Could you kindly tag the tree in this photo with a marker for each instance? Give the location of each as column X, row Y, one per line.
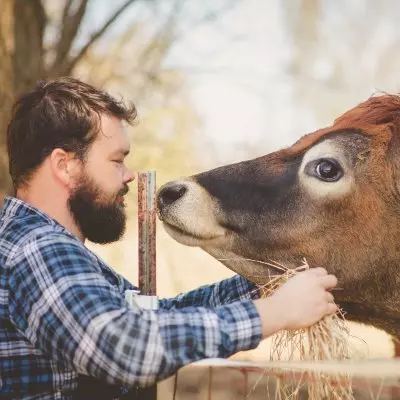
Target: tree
column 43, row 39
column 6, row 83
column 26, row 59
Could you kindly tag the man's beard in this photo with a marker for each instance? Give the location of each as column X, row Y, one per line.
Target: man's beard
column 100, row 219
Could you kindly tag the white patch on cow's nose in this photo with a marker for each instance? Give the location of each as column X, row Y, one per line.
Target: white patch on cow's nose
column 192, row 217
column 318, row 188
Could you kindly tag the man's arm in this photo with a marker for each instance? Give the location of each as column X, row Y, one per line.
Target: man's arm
column 226, row 291
column 64, row 306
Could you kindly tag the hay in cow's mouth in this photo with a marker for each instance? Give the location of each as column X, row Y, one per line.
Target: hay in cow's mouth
column 328, row 339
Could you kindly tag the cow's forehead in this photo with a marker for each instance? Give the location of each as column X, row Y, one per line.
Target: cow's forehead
column 308, row 141
column 370, row 118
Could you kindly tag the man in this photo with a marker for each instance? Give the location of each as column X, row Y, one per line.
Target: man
column 63, row 313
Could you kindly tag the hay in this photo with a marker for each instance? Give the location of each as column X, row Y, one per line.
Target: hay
column 328, row 339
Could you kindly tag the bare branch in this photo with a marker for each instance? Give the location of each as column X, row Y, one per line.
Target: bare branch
column 70, row 26
column 69, row 65
column 159, row 43
column 40, row 15
column 211, row 16
column 165, row 30
column 67, row 7
column 158, row 47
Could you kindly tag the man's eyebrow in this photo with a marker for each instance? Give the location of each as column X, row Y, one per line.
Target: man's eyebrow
column 118, row 152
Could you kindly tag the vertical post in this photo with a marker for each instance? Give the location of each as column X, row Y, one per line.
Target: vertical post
column 147, row 248
column 210, row 371
column 147, row 232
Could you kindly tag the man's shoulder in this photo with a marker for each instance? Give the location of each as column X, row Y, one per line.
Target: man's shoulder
column 18, row 233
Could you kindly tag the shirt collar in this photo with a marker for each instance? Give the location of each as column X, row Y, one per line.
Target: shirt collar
column 14, row 207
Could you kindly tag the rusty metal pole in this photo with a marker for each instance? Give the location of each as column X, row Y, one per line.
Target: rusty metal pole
column 147, row 211
column 147, row 232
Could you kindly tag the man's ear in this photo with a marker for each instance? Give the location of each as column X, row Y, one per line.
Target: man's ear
column 64, row 166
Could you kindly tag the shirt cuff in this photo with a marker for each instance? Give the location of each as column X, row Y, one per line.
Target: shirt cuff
column 242, row 330
column 246, row 289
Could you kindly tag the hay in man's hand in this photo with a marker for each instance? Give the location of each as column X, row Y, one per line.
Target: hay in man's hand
column 328, row 339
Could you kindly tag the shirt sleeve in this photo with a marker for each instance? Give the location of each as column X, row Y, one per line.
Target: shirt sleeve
column 236, row 288
column 62, row 304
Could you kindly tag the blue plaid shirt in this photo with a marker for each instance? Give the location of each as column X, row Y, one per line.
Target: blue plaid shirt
column 63, row 313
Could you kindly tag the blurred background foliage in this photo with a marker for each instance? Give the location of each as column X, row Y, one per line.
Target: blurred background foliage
column 214, row 81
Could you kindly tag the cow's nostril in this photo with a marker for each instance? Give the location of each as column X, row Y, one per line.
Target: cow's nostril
column 170, row 194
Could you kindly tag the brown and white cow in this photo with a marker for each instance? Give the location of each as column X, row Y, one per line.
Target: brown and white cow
column 333, row 198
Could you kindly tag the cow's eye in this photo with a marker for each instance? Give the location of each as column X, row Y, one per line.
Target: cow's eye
column 328, row 170
column 325, row 169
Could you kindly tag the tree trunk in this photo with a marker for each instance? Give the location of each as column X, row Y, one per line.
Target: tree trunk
column 29, row 25
column 21, row 55
column 7, row 45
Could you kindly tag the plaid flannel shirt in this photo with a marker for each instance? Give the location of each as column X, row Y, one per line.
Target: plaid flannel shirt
column 63, row 313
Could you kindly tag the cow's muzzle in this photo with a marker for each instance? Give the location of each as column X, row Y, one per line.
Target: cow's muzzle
column 169, row 194
column 189, row 213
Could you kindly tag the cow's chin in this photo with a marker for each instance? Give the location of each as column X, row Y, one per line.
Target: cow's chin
column 218, row 245
column 189, row 238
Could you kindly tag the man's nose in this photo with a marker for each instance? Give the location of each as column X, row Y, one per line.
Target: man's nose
column 129, row 176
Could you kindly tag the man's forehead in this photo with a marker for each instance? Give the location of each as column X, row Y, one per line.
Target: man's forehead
column 113, row 135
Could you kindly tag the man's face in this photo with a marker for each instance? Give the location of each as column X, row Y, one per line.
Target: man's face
column 97, row 200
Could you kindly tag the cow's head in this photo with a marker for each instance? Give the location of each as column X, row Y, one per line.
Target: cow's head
column 333, row 198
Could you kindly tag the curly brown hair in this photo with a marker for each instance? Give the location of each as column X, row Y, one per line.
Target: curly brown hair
column 62, row 113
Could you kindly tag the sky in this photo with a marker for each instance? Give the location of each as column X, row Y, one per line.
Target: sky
column 236, row 96
column 251, row 103
column 231, row 68
column 237, row 69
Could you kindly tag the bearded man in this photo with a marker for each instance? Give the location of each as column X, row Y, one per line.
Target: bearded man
column 66, row 328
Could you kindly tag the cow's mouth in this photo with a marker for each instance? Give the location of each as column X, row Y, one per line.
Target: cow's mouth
column 189, row 238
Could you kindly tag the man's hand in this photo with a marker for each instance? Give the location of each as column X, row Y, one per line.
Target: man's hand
column 301, row 302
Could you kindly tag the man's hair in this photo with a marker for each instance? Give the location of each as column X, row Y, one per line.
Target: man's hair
column 62, row 113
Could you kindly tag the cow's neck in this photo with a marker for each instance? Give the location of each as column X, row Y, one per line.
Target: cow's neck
column 378, row 317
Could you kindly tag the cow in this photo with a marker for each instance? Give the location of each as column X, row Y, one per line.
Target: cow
column 332, row 198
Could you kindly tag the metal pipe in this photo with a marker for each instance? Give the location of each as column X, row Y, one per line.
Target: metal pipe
column 147, row 211
column 147, row 232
